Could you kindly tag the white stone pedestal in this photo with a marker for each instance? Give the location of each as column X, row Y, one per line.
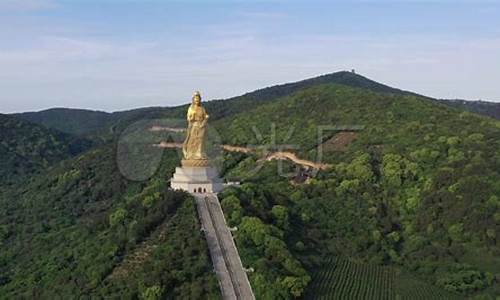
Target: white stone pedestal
column 196, row 180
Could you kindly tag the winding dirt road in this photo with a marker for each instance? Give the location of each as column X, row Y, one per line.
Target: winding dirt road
column 271, row 156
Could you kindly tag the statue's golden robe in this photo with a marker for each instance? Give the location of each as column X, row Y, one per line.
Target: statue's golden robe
column 193, row 147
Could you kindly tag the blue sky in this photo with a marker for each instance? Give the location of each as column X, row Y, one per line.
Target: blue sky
column 115, row 55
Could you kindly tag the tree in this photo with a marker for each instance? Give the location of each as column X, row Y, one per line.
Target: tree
column 232, row 208
column 253, row 229
column 295, row 285
column 4, row 233
column 117, row 217
column 360, row 168
column 152, row 293
column 456, row 231
column 280, row 214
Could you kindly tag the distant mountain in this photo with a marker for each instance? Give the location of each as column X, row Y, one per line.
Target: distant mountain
column 491, row 109
column 105, row 125
column 27, row 148
column 80, row 122
column 226, row 107
column 343, row 77
column 73, row 121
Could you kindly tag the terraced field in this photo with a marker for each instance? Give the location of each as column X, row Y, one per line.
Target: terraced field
column 343, row 279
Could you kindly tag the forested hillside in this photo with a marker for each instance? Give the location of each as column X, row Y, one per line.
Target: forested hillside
column 82, row 230
column 417, row 189
column 26, row 148
column 491, row 109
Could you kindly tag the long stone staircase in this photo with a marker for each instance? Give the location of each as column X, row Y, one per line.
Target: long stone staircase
column 232, row 278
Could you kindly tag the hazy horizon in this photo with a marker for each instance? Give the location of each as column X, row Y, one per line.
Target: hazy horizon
column 113, row 56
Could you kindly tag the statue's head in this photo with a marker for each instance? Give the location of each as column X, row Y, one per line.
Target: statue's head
column 197, row 98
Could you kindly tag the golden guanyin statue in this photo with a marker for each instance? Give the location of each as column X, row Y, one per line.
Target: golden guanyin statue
column 193, row 147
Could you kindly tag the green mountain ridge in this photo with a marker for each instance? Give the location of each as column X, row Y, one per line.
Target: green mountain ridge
column 99, row 123
column 72, row 121
column 491, row 109
column 80, row 121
